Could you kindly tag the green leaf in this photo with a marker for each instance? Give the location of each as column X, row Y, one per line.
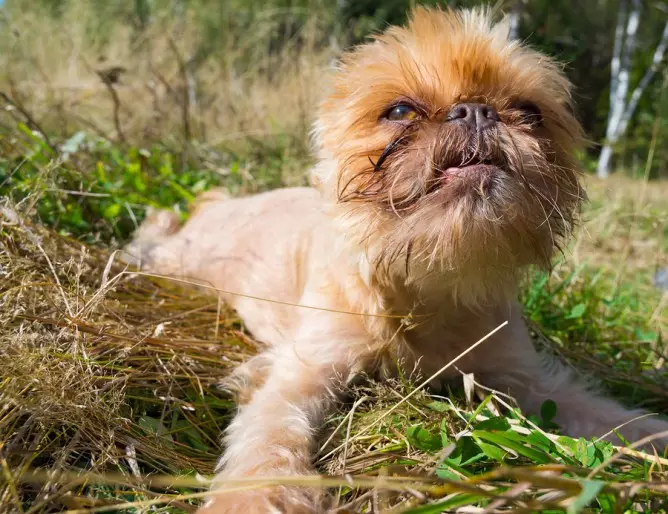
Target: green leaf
column 493, row 452
column 623, row 439
column 439, row 406
column 423, row 439
column 480, row 408
column 590, row 489
column 534, row 419
column 101, row 175
column 498, row 423
column 139, row 183
column 194, row 438
column 154, row 426
column 567, row 442
column 445, row 439
column 466, row 452
column 537, row 439
column 505, row 442
column 645, row 335
column 132, row 168
column 606, row 448
column 548, row 410
column 449, row 471
column 470, row 451
column 577, row 311
column 585, row 452
column 458, row 500
column 112, row 211
column 608, row 503
column 183, row 193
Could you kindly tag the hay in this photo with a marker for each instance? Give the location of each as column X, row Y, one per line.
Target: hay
column 102, row 369
column 109, row 401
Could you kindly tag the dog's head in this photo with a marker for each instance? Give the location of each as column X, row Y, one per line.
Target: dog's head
column 445, row 146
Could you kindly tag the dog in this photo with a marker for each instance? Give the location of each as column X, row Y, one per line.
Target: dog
column 445, row 167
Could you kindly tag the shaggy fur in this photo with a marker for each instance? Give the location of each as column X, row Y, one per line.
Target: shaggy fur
column 425, row 218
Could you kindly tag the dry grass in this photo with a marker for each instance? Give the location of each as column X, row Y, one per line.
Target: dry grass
column 626, row 224
column 108, row 388
column 96, row 363
column 174, row 80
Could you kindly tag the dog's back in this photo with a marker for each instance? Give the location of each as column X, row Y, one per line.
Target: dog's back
column 256, row 249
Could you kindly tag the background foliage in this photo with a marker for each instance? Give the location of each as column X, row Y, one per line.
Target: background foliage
column 207, row 54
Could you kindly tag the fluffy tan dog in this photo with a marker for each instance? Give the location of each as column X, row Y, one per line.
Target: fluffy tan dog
column 445, row 167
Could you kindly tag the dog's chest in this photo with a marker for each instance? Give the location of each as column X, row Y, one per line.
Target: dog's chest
column 428, row 341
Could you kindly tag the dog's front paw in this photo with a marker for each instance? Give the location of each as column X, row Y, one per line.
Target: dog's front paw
column 284, row 500
column 248, row 378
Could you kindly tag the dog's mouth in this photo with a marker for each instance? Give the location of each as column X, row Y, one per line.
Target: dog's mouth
column 473, row 175
column 473, row 179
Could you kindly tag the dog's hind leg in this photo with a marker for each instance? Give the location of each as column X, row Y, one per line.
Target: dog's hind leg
column 160, row 245
column 582, row 411
column 154, row 231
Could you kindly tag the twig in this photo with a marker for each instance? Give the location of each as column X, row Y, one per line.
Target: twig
column 117, row 105
column 16, row 104
column 185, row 98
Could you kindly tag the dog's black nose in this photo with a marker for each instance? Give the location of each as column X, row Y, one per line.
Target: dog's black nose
column 475, row 116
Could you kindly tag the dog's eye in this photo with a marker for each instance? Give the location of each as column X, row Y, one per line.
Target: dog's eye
column 402, row 112
column 529, row 112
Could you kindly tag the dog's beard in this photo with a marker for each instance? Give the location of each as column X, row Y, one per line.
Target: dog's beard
column 480, row 205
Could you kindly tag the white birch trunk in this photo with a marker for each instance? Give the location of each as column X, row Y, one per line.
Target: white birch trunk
column 623, row 107
column 659, row 54
column 514, row 22
column 620, row 70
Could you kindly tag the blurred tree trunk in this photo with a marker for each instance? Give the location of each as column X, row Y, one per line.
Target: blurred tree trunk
column 625, row 40
column 622, row 107
column 337, row 39
column 514, row 18
column 657, row 58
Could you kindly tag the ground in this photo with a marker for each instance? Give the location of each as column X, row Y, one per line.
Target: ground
column 109, row 379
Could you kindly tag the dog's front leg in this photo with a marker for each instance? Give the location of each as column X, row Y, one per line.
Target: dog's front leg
column 272, row 435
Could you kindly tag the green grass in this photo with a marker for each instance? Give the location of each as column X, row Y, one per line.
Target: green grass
column 108, row 383
column 98, row 192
